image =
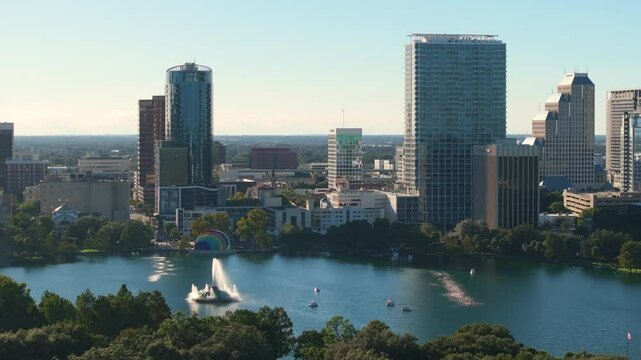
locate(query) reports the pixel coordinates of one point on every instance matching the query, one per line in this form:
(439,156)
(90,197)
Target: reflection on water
(552,307)
(454,291)
(162,267)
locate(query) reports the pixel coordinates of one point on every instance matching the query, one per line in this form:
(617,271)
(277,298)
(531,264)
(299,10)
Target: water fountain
(219,291)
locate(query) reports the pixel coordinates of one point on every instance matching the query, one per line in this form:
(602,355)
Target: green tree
(338,329)
(630,255)
(603,244)
(83,229)
(29,208)
(55,308)
(184,243)
(17,308)
(135,235)
(254,227)
(557,207)
(217,221)
(309,346)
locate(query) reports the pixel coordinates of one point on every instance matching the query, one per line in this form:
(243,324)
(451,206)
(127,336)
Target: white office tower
(618,103)
(630,134)
(567,130)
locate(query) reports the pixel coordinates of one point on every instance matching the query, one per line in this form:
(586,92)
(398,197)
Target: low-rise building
(380,164)
(170,198)
(578,202)
(107,198)
(106,166)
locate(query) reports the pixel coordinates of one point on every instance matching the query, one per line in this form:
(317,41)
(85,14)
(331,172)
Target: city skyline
(80,68)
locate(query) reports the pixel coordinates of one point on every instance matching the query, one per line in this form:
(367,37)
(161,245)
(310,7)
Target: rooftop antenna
(343,117)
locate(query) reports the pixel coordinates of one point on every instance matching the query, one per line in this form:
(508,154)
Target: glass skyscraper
(454,99)
(189,118)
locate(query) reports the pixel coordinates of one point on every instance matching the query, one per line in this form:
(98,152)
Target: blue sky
(288,67)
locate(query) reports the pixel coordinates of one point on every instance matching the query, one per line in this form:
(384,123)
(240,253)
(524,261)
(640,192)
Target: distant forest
(65,150)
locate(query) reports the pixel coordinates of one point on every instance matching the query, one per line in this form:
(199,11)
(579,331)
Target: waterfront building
(402,207)
(505,187)
(566,128)
(578,202)
(151,128)
(189,197)
(455,97)
(345,157)
(107,198)
(171,164)
(188,118)
(629,174)
(23,173)
(6,149)
(618,103)
(272,158)
(63,217)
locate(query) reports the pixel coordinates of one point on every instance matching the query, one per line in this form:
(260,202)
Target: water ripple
(455,292)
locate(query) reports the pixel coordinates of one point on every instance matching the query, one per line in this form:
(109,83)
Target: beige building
(577,202)
(104,164)
(566,128)
(110,199)
(505,187)
(618,103)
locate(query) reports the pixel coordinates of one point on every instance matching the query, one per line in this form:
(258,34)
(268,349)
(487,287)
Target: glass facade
(630,152)
(345,157)
(189,117)
(455,97)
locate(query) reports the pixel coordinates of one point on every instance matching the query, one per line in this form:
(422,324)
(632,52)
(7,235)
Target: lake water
(551,307)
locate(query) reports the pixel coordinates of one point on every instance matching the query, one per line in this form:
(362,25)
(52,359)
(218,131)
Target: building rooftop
(576,79)
(558,98)
(189,67)
(27,162)
(545,115)
(532,141)
(454,38)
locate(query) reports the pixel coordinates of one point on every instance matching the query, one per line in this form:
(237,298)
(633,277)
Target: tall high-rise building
(345,157)
(618,103)
(455,98)
(6,149)
(151,128)
(188,118)
(567,130)
(630,135)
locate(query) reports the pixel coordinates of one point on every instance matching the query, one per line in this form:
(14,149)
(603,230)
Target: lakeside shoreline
(352,256)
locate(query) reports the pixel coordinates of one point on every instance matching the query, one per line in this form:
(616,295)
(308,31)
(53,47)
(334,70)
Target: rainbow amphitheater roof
(212,240)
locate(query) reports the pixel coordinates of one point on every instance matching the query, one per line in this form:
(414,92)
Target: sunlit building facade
(455,97)
(188,115)
(345,158)
(566,128)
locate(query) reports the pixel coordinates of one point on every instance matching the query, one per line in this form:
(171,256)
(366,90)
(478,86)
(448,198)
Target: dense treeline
(31,237)
(128,326)
(604,242)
